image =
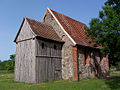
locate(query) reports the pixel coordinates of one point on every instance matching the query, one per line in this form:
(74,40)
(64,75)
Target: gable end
(25,32)
(61,26)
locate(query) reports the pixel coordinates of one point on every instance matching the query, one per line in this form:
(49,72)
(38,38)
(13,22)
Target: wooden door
(48,69)
(53,69)
(58,69)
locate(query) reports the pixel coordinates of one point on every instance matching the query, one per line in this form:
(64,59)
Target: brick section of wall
(75,63)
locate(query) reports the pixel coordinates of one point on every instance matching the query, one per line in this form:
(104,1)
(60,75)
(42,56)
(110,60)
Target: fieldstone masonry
(97,66)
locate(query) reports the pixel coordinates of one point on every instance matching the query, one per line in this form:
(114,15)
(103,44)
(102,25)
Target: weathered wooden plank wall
(25,61)
(48,61)
(25,33)
(25,55)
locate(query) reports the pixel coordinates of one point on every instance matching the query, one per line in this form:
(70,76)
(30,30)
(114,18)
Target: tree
(10,64)
(105,30)
(3,65)
(12,57)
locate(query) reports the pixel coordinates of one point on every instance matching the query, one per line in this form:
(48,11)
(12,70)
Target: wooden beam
(45,56)
(25,40)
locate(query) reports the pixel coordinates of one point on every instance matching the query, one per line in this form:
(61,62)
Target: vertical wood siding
(25,55)
(25,61)
(48,61)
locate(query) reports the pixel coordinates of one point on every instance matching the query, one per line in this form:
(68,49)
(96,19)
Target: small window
(55,47)
(42,45)
(63,37)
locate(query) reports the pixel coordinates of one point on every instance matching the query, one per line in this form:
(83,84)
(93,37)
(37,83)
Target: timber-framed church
(55,49)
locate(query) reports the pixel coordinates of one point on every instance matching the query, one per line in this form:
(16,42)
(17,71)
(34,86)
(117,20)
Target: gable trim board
(61,26)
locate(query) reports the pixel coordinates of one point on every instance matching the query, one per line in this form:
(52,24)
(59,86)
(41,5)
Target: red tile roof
(43,30)
(74,28)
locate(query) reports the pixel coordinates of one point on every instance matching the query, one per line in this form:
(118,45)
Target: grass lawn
(113,83)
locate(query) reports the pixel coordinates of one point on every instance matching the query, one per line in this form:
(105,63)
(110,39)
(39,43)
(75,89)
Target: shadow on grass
(113,82)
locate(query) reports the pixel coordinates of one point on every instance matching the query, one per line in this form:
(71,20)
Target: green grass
(113,83)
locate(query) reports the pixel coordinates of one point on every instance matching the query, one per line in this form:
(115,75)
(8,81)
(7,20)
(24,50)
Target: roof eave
(89,46)
(39,37)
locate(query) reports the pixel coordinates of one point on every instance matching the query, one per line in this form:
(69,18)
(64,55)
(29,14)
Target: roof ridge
(67,16)
(32,19)
(37,21)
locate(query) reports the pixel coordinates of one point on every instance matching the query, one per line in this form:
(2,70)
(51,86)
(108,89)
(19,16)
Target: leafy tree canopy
(106,30)
(8,64)
(12,57)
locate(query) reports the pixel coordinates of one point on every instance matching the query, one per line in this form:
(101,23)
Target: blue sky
(13,11)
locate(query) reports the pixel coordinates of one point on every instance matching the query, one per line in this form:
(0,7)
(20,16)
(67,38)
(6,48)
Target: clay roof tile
(43,30)
(74,28)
